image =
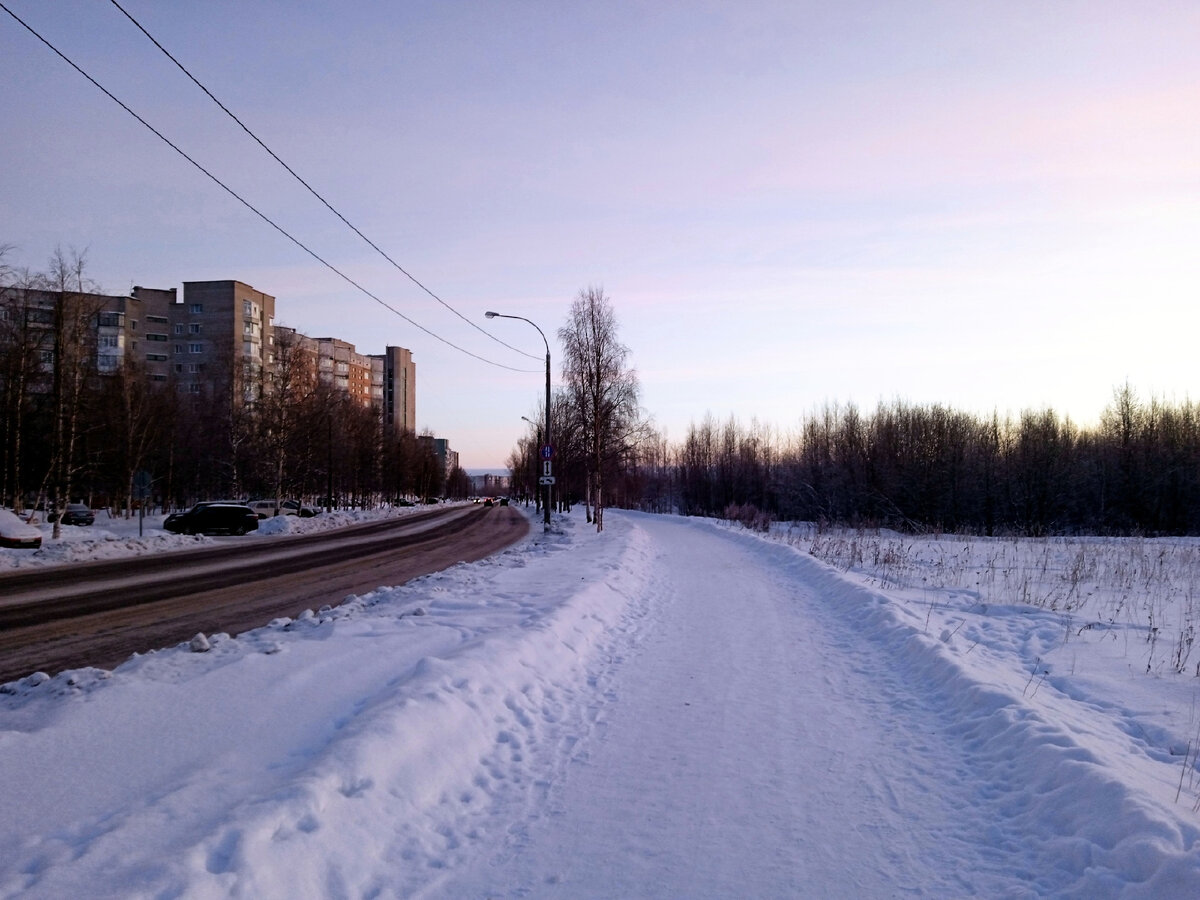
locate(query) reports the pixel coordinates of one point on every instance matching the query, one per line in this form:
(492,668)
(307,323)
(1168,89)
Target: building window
(109,340)
(179,368)
(193,329)
(195,348)
(161,320)
(178,349)
(196,309)
(156,357)
(158,377)
(193,388)
(150,336)
(179,329)
(133,325)
(109,320)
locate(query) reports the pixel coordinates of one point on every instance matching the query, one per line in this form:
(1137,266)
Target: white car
(16,533)
(268,508)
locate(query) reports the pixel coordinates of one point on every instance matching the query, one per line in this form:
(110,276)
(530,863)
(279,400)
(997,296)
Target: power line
(309,187)
(247,203)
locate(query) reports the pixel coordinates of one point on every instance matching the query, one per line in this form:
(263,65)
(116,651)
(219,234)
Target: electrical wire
(309,187)
(249,205)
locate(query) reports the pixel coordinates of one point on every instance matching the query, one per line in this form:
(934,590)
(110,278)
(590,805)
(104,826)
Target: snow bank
(112,537)
(1100,765)
(286,761)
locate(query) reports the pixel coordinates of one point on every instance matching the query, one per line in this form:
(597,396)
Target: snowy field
(672,708)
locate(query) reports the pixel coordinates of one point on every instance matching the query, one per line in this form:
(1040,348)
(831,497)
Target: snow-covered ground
(113,536)
(672,708)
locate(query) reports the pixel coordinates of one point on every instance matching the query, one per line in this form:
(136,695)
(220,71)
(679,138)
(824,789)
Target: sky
(993,206)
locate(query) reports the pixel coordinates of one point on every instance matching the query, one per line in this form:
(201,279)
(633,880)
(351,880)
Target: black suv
(213,517)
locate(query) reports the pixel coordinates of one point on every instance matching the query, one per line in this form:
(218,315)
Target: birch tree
(602,390)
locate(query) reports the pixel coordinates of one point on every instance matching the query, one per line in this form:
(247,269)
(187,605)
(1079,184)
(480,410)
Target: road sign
(546,467)
(142,482)
(546,479)
(547,451)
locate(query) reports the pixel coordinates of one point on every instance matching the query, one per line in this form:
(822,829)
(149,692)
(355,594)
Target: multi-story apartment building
(144,313)
(94,327)
(398,381)
(292,358)
(219,337)
(446,457)
(340,364)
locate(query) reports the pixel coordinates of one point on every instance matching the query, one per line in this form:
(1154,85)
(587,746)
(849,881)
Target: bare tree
(602,391)
(24,339)
(76,306)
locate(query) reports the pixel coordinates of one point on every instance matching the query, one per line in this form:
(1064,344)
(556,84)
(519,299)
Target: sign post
(142,482)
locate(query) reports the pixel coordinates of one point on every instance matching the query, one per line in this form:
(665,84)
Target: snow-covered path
(670,708)
(756,745)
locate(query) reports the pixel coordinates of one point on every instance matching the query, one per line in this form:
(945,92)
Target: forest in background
(925,468)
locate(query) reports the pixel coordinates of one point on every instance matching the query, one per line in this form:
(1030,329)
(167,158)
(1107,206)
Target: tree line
(69,431)
(931,468)
(901,465)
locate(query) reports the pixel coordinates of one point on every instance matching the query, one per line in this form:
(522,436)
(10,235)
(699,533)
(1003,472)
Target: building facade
(398,385)
(220,338)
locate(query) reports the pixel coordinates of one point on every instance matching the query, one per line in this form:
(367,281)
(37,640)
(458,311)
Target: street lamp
(546,448)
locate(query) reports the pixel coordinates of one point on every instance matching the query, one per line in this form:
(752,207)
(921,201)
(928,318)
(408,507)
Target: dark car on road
(213,517)
(78,514)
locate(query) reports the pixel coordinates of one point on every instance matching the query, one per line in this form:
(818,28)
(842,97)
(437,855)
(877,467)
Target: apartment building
(398,385)
(219,338)
(340,364)
(145,312)
(441,449)
(95,328)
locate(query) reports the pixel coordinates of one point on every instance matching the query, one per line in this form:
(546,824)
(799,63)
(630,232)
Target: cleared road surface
(98,614)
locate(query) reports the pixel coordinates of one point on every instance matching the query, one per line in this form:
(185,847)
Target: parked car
(16,534)
(78,514)
(268,508)
(214,517)
(296,508)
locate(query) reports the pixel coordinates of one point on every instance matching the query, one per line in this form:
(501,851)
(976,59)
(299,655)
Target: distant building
(220,337)
(148,307)
(398,385)
(490,484)
(341,365)
(100,329)
(446,457)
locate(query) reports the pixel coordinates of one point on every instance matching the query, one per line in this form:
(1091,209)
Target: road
(98,614)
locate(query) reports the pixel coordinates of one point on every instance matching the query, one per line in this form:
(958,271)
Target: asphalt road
(98,614)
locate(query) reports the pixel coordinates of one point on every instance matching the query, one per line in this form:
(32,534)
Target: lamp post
(547,450)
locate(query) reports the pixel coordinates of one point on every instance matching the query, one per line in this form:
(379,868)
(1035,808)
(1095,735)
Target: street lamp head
(490,315)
